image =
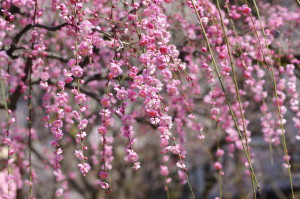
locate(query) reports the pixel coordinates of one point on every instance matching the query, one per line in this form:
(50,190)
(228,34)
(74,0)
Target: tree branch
(17,38)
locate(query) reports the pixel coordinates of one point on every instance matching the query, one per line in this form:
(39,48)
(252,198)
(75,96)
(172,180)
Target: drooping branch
(17,38)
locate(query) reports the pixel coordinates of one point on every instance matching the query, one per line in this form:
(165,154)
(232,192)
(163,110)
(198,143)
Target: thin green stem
(236,89)
(29,129)
(283,137)
(189,184)
(272,75)
(221,185)
(241,52)
(184,169)
(30,109)
(180,159)
(78,80)
(225,93)
(168,192)
(271,153)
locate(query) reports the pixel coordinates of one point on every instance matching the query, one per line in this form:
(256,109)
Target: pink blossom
(164,170)
(182,176)
(101,130)
(103,175)
(83,124)
(84,168)
(163,49)
(80,98)
(79,154)
(136,166)
(105,102)
(220,152)
(57,123)
(115,70)
(132,156)
(77,71)
(86,27)
(104,185)
(218,166)
(85,48)
(246,10)
(59,192)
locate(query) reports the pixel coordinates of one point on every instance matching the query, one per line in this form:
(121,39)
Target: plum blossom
(84,168)
(77,71)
